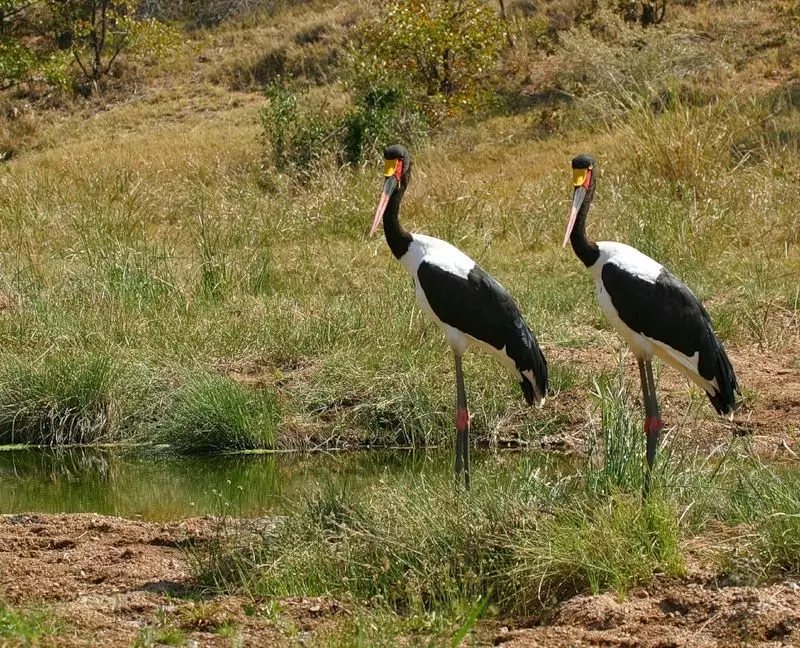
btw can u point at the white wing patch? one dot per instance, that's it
(688, 366)
(436, 252)
(628, 259)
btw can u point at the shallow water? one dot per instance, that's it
(162, 486)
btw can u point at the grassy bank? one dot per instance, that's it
(162, 282)
(413, 555)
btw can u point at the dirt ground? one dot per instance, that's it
(115, 582)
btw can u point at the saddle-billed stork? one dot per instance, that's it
(467, 303)
(652, 310)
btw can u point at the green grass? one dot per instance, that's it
(183, 253)
(420, 547)
(24, 627)
(175, 258)
(212, 413)
(63, 399)
(183, 291)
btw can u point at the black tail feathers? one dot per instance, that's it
(724, 400)
(537, 365)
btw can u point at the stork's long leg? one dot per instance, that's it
(652, 418)
(462, 424)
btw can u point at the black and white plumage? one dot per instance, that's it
(652, 310)
(467, 303)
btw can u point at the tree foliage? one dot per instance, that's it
(446, 50)
(16, 60)
(97, 31)
(40, 40)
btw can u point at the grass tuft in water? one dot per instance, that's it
(212, 413)
(60, 400)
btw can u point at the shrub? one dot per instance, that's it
(63, 400)
(96, 31)
(444, 50)
(298, 139)
(381, 114)
(212, 413)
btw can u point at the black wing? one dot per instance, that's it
(669, 312)
(480, 307)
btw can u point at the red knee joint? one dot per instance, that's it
(462, 419)
(652, 424)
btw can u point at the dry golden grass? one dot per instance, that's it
(150, 229)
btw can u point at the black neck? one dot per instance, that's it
(396, 236)
(587, 250)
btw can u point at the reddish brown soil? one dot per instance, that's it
(111, 581)
(672, 615)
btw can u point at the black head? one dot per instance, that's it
(398, 152)
(397, 174)
(583, 171)
(583, 161)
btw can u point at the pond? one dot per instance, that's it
(162, 486)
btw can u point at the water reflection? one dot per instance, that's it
(167, 487)
(160, 486)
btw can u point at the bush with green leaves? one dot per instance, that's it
(19, 61)
(298, 138)
(444, 50)
(382, 114)
(97, 31)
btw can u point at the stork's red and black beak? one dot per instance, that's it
(581, 179)
(393, 171)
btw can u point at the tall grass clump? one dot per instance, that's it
(419, 545)
(212, 413)
(688, 148)
(616, 451)
(61, 399)
(766, 501)
(597, 545)
(414, 545)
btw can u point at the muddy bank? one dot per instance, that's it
(111, 581)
